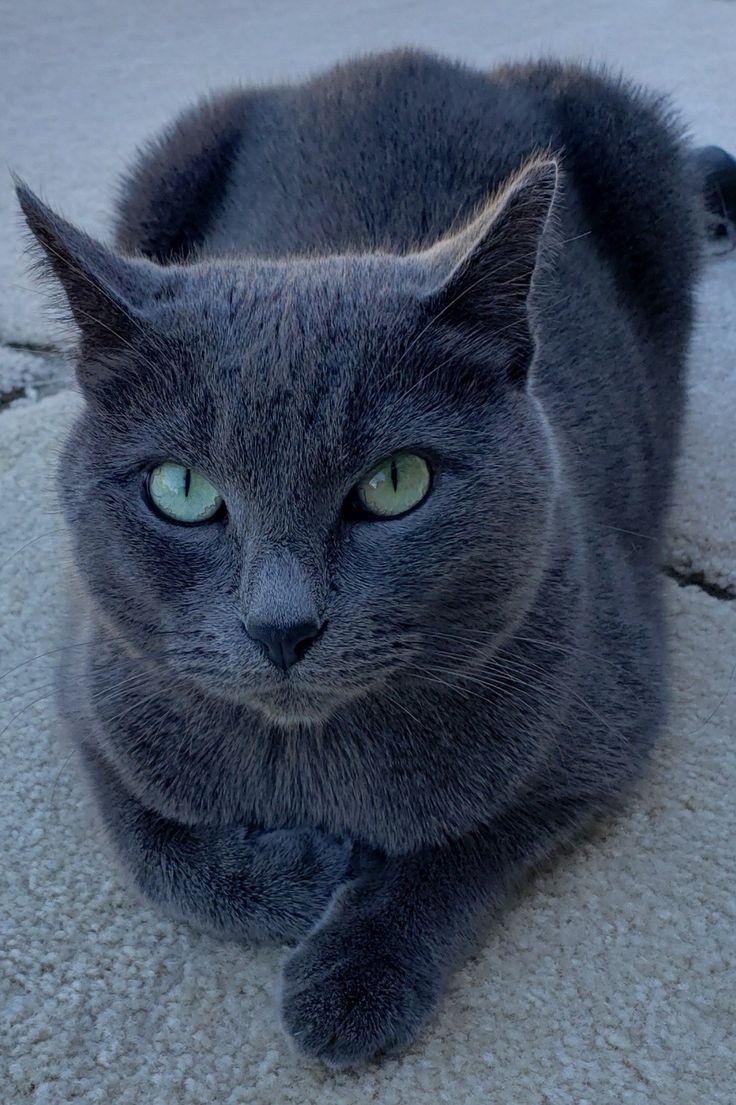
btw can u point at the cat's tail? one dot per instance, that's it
(716, 170)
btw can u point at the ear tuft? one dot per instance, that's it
(104, 292)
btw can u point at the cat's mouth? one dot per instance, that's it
(286, 699)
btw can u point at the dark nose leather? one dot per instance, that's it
(284, 645)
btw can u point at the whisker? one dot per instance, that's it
(79, 644)
(396, 702)
(38, 537)
(555, 646)
(58, 777)
(514, 692)
(28, 705)
(717, 706)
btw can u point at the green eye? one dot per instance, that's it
(395, 485)
(182, 494)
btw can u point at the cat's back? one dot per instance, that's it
(377, 152)
(390, 151)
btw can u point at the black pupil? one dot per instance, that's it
(394, 475)
(187, 481)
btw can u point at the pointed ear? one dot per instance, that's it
(481, 276)
(106, 293)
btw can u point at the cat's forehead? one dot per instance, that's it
(308, 312)
(314, 329)
(293, 323)
(290, 366)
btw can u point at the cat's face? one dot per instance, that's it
(282, 386)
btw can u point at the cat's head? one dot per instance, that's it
(299, 482)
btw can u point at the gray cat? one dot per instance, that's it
(383, 383)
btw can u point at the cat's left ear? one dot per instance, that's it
(106, 293)
(480, 278)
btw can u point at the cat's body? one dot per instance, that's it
(489, 672)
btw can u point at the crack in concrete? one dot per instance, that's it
(37, 390)
(36, 349)
(8, 397)
(36, 369)
(697, 579)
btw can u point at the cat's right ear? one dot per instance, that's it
(106, 294)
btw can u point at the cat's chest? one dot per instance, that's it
(396, 788)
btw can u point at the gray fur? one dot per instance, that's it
(310, 278)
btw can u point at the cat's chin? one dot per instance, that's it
(289, 708)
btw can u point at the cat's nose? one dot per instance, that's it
(284, 645)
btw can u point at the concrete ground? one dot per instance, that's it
(612, 982)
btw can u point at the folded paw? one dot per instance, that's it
(350, 994)
(254, 885)
(300, 871)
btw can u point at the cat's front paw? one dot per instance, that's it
(349, 995)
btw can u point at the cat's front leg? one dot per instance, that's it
(224, 879)
(368, 978)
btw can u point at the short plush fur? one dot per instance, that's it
(493, 270)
